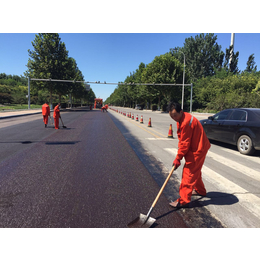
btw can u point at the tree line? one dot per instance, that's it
(13, 89)
(48, 59)
(217, 81)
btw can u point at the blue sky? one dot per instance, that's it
(111, 57)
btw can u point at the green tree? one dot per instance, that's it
(163, 69)
(231, 60)
(5, 94)
(132, 93)
(235, 90)
(19, 95)
(250, 65)
(48, 59)
(203, 56)
(71, 72)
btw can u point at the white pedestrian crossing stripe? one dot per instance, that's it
(235, 165)
(255, 159)
(246, 199)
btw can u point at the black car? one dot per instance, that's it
(238, 126)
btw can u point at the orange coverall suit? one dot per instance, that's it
(56, 116)
(193, 146)
(45, 112)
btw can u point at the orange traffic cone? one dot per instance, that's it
(170, 135)
(133, 117)
(136, 119)
(150, 123)
(141, 120)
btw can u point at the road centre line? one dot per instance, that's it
(151, 129)
(145, 129)
(246, 199)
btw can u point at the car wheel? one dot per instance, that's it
(244, 145)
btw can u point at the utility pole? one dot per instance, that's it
(232, 50)
(182, 98)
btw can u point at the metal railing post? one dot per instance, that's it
(191, 89)
(29, 100)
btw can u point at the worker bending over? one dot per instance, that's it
(56, 116)
(193, 146)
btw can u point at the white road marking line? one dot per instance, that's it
(237, 153)
(235, 165)
(246, 199)
(223, 160)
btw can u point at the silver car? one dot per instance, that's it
(138, 107)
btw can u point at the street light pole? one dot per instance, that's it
(182, 99)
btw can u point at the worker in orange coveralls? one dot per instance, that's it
(106, 106)
(56, 116)
(46, 112)
(193, 146)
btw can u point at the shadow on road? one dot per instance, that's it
(47, 143)
(233, 147)
(214, 198)
(61, 142)
(197, 207)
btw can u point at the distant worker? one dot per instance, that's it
(193, 146)
(46, 112)
(106, 106)
(103, 108)
(56, 116)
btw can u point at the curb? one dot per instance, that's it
(10, 116)
(29, 114)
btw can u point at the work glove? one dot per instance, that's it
(177, 163)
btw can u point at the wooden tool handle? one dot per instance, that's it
(162, 188)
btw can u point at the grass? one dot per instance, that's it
(18, 106)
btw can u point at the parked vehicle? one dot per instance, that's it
(238, 126)
(138, 107)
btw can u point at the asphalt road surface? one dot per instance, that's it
(85, 176)
(232, 180)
